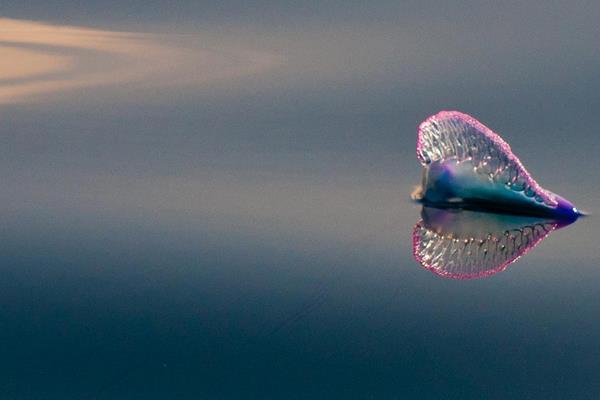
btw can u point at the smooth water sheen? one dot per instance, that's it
(236, 223)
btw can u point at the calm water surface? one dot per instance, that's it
(252, 237)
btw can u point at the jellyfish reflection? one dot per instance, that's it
(463, 244)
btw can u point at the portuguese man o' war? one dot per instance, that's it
(463, 244)
(466, 165)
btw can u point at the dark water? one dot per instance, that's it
(252, 238)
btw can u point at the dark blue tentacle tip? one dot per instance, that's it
(566, 210)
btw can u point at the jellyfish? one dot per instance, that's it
(466, 165)
(465, 244)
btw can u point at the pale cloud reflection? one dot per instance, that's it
(39, 58)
